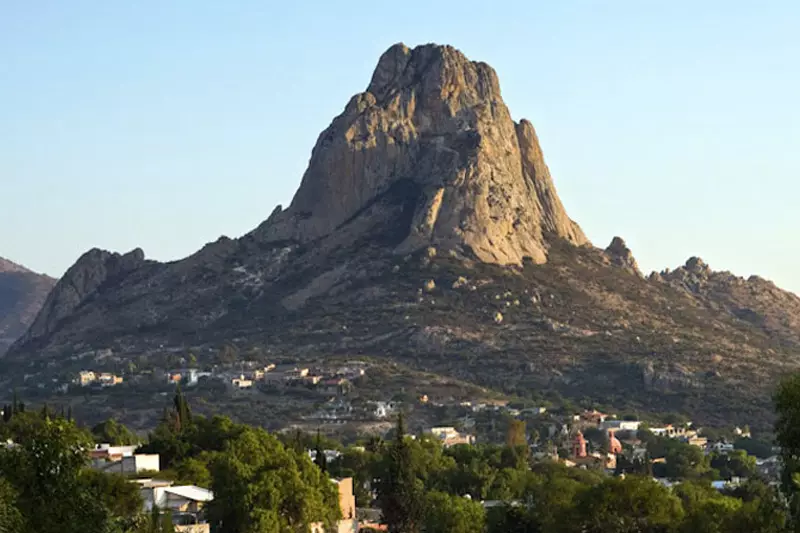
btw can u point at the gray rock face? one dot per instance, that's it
(753, 299)
(82, 280)
(620, 255)
(22, 294)
(434, 120)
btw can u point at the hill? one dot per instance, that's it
(22, 294)
(427, 231)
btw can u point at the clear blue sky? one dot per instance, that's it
(165, 124)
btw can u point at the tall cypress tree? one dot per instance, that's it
(400, 491)
(182, 412)
(320, 459)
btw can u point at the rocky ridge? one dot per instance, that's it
(427, 230)
(22, 294)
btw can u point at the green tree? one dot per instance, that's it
(445, 513)
(762, 511)
(630, 505)
(319, 458)
(757, 448)
(183, 414)
(734, 464)
(400, 491)
(114, 433)
(156, 522)
(195, 470)
(116, 492)
(260, 486)
(787, 436)
(46, 470)
(11, 520)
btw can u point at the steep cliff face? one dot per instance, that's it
(22, 294)
(436, 121)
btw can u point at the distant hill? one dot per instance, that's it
(22, 294)
(427, 231)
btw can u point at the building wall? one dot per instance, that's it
(347, 500)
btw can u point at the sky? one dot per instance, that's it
(163, 125)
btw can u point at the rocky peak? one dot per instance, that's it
(697, 266)
(432, 133)
(87, 275)
(621, 255)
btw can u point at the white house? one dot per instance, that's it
(178, 499)
(620, 425)
(330, 455)
(132, 464)
(383, 409)
(108, 452)
(449, 436)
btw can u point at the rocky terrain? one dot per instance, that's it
(427, 231)
(22, 294)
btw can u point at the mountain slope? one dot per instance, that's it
(22, 294)
(427, 230)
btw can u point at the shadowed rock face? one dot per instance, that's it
(22, 294)
(434, 118)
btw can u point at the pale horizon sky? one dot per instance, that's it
(163, 125)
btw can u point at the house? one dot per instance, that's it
(186, 499)
(132, 464)
(449, 436)
(242, 383)
(107, 379)
(186, 503)
(383, 409)
(189, 376)
(335, 386)
(330, 455)
(620, 425)
(107, 452)
(347, 507)
(669, 431)
(607, 461)
(85, 377)
(720, 447)
(695, 440)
